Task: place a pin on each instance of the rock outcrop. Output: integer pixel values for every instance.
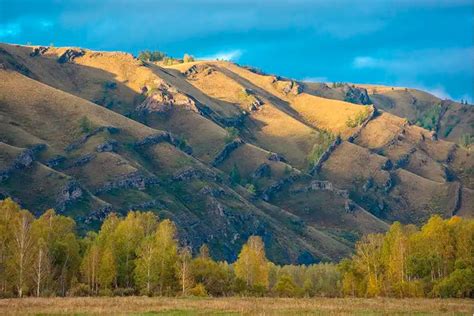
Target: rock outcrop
(228, 149)
(134, 180)
(325, 155)
(81, 141)
(70, 54)
(164, 137)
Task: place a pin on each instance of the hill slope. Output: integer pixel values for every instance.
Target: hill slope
(224, 151)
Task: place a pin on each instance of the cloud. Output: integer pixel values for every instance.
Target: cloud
(315, 79)
(9, 30)
(429, 61)
(232, 55)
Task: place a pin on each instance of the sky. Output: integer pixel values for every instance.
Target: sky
(426, 44)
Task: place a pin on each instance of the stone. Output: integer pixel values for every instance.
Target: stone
(228, 149)
(70, 54)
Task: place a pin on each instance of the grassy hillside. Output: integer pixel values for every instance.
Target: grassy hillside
(223, 150)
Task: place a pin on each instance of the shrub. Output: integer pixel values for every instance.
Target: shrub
(232, 133)
(466, 140)
(80, 289)
(359, 118)
(85, 124)
(199, 290)
(188, 58)
(147, 55)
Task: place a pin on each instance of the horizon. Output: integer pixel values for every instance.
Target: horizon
(423, 44)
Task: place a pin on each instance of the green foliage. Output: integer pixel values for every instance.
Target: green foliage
(85, 125)
(235, 175)
(232, 134)
(323, 141)
(430, 119)
(251, 188)
(466, 140)
(286, 287)
(139, 254)
(188, 58)
(148, 55)
(436, 260)
(359, 118)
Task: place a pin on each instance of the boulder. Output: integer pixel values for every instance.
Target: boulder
(70, 54)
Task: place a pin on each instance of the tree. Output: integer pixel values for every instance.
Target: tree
(184, 270)
(41, 266)
(107, 269)
(21, 263)
(146, 276)
(8, 212)
(235, 175)
(252, 264)
(166, 255)
(367, 259)
(188, 58)
(148, 55)
(285, 286)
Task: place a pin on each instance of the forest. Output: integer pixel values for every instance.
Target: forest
(141, 255)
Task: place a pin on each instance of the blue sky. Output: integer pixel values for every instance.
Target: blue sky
(426, 44)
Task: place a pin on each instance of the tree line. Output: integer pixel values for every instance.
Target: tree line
(141, 255)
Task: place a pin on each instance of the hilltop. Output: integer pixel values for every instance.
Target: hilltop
(226, 151)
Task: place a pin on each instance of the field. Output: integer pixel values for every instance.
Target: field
(234, 305)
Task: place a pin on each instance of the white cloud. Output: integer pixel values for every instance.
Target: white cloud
(232, 55)
(315, 79)
(429, 61)
(9, 29)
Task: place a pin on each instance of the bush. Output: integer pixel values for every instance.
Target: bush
(359, 118)
(85, 124)
(147, 55)
(188, 58)
(286, 287)
(460, 283)
(80, 289)
(232, 133)
(199, 290)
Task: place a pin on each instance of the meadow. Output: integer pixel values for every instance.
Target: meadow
(141, 305)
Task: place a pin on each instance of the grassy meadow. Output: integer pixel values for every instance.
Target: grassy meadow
(234, 305)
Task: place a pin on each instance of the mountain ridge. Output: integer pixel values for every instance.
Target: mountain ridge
(314, 172)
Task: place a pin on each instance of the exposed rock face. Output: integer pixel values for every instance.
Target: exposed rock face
(236, 121)
(163, 98)
(71, 192)
(108, 146)
(193, 173)
(278, 186)
(256, 104)
(55, 161)
(325, 155)
(277, 157)
(208, 191)
(228, 149)
(38, 51)
(146, 205)
(82, 160)
(81, 141)
(355, 95)
(164, 137)
(97, 215)
(291, 87)
(264, 170)
(24, 160)
(388, 184)
(349, 206)
(132, 180)
(356, 134)
(317, 185)
(70, 54)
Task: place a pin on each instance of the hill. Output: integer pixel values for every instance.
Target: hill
(225, 151)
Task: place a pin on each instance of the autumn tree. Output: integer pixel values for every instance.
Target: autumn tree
(252, 264)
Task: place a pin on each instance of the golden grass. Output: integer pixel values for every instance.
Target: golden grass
(375, 88)
(234, 305)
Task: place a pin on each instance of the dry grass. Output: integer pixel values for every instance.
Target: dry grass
(234, 305)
